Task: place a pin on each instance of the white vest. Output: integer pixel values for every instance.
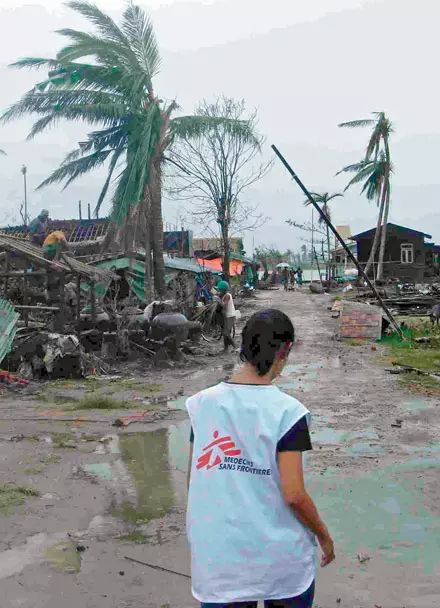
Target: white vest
(246, 544)
(230, 308)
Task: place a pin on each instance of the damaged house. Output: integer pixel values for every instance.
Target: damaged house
(406, 252)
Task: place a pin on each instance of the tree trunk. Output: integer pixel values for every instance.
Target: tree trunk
(372, 257)
(226, 250)
(146, 237)
(387, 187)
(383, 237)
(155, 187)
(329, 253)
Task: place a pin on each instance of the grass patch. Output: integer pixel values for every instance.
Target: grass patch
(354, 342)
(420, 384)
(62, 439)
(134, 537)
(51, 459)
(33, 471)
(90, 438)
(13, 496)
(103, 402)
(135, 385)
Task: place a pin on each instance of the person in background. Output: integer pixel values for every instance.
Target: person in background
(299, 275)
(54, 244)
(251, 524)
(38, 226)
(285, 279)
(293, 277)
(228, 311)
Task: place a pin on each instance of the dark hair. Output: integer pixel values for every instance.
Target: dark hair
(263, 337)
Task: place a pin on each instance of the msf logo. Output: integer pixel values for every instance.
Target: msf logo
(213, 453)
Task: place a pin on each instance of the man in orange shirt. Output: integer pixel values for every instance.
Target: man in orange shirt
(55, 243)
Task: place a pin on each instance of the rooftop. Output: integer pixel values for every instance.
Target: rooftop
(370, 232)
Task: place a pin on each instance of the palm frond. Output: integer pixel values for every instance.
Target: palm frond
(34, 63)
(135, 177)
(139, 31)
(103, 22)
(69, 171)
(356, 167)
(356, 124)
(42, 124)
(3, 153)
(84, 44)
(116, 156)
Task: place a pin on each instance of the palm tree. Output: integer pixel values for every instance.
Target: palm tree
(132, 126)
(324, 200)
(376, 169)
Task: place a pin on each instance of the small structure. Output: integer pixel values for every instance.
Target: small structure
(360, 321)
(207, 246)
(405, 252)
(340, 260)
(26, 266)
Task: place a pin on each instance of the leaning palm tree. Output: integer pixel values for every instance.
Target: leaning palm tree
(324, 200)
(376, 169)
(132, 126)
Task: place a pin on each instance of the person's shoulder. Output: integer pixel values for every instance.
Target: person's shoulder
(207, 394)
(291, 405)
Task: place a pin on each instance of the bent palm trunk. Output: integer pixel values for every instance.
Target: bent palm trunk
(372, 257)
(383, 237)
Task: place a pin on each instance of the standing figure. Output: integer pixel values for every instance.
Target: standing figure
(252, 526)
(38, 226)
(228, 312)
(299, 275)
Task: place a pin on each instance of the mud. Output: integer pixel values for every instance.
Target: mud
(107, 493)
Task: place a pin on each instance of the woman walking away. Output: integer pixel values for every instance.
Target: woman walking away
(251, 523)
(228, 313)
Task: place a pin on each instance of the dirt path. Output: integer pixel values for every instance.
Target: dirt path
(122, 493)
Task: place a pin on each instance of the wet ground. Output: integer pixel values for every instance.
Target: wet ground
(105, 494)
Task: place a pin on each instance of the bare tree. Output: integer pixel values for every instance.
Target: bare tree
(212, 171)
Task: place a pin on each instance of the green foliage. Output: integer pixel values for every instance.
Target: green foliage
(13, 496)
(114, 94)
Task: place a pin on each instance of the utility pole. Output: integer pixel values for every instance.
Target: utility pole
(24, 172)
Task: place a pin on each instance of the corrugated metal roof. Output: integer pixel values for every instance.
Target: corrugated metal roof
(8, 329)
(187, 264)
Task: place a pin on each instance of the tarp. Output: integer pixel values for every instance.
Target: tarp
(235, 266)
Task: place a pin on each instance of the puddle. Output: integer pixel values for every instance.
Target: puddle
(14, 561)
(178, 404)
(306, 373)
(330, 436)
(64, 556)
(103, 470)
(360, 448)
(416, 405)
(156, 462)
(379, 513)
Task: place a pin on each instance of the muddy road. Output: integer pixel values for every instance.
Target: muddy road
(87, 495)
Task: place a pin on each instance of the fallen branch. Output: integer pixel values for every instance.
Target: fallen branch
(423, 372)
(137, 561)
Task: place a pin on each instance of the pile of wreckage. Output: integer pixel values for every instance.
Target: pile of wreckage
(69, 317)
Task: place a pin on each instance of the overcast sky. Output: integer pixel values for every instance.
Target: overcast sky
(306, 65)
